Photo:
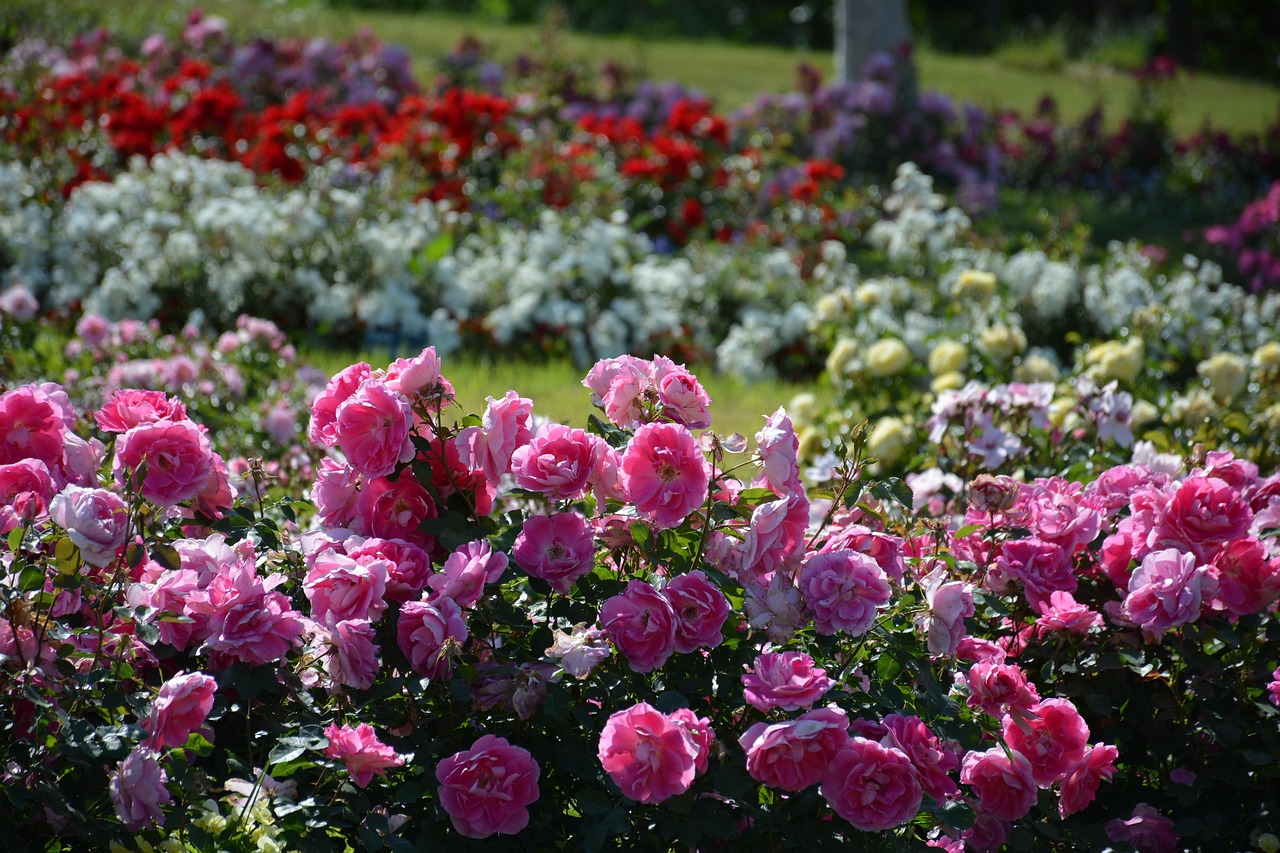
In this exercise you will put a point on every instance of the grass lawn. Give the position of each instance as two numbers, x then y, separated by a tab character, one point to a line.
1015	77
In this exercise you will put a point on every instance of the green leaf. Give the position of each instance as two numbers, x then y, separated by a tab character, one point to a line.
15	538
894	490
66	556
888	667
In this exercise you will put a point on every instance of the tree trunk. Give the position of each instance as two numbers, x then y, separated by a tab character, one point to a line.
864	27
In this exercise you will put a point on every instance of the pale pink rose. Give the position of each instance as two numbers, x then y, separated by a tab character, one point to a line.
665	474
649	755
125	409
795	754
373	427
31	427
216	497
557	462
1273	687
339	588
580	651
352	655
1166	591
1059	514
395	510
779	450
871	786
168	595
1109	494
847	532
625	401
1063	613
1053	741
428	633
93	329
466	572
1037	568
606	474
138	792
178	459
642	624
1080	785
487	789
280	422
632	377
700	608
182	706
1003	783
844	589
1239	474
19	303
999	688
785	680
776	536
557	548
25	491
323	431
95	520
947	604
256	629
420	381
603	372
408	566
931	758
700	730
993	493
505	427
1247	581
1148	831
361	751
335	492
776	607
683	399
1203	515
988	834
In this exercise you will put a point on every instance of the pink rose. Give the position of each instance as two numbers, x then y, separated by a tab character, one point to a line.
1247	581
466	572
31	427
843	589
1203	515
408	566
700	730
25	491
395	510
1166	591
1063	613
700	609
335	491
138	791
427	632
178	459
580	651
1003	783
779	450
683	399
785	680
999	688
19	303
557	548
505	427
95	520
664	473
256	629
1080	785
168	595
419	380
642	624
339	588
776	607
181	707
361	751
649	755
1148	831
1053	741
557	462
125	409
324	410
947	604
776	536
600	378
617	386
931	758
1059	514
795	754
351	657
871	786
488	788
372	427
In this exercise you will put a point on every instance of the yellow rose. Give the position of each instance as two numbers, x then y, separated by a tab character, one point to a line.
974	284
1002	342
841	354
1036	368
888	439
1143	413
1268	843
803	408
1226	374
808	439
947	382
887	357
947	356
1193	409
1267	355
1115	360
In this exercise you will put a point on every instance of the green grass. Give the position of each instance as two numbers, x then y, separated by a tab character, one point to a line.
557	391
1014	77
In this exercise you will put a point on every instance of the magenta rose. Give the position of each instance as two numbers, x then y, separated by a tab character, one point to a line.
1080	785
426	631
466	572
1247	581
682	397
795	754
642	624
1038	568
373	427
137	790
361	751
557	548
25	491
395	510
1203	515
999	688
487	789
700	730
648	754
181	707
324	429
785	680
557	461
1148	831
1059	514
843	589
700	608
1166	591
95	520
351	656
1003	783
335	490
125	409
932	759
664	473
872	786
31	427
178	459
1053	741
408	566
